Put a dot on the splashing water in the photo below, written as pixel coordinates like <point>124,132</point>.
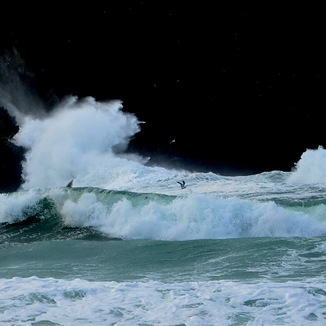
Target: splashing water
<point>78,139</point>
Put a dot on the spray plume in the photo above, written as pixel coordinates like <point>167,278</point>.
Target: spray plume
<point>75,139</point>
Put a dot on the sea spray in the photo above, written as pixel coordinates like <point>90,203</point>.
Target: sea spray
<point>16,93</point>
<point>79,138</point>
<point>311,167</point>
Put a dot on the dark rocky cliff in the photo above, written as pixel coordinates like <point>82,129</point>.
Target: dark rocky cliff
<point>11,156</point>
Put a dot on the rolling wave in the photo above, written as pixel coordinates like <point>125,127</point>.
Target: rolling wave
<point>56,212</point>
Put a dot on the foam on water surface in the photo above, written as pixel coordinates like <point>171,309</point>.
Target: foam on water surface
<point>35,301</point>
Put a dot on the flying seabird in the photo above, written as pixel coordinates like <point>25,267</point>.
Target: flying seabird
<point>182,184</point>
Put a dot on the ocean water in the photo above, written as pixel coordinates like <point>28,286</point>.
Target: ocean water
<point>127,246</point>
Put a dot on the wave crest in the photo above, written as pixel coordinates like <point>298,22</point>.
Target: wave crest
<point>128,215</point>
<point>311,167</point>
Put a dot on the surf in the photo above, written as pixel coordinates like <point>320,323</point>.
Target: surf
<point>130,215</point>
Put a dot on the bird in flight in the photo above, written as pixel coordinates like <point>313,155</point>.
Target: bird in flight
<point>182,184</point>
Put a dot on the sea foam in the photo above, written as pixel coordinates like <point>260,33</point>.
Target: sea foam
<point>311,167</point>
<point>54,301</point>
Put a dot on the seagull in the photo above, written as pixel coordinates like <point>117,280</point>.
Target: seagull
<point>182,184</point>
<point>172,141</point>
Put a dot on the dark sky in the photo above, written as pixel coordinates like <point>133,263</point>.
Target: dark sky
<point>240,87</point>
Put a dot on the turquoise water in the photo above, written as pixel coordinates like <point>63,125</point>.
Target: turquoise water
<point>224,251</point>
<point>133,248</point>
<point>244,260</point>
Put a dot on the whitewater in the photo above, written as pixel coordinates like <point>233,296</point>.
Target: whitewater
<point>127,246</point>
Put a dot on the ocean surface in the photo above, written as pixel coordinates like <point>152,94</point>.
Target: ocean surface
<point>127,246</point>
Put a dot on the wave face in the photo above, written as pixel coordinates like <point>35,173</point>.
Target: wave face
<point>128,215</point>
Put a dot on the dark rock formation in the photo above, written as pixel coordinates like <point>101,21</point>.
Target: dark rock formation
<point>11,156</point>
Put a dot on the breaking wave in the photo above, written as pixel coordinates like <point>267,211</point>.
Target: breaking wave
<point>311,167</point>
<point>127,215</point>
<point>78,140</point>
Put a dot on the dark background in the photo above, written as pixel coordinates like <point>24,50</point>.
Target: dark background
<point>241,88</point>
